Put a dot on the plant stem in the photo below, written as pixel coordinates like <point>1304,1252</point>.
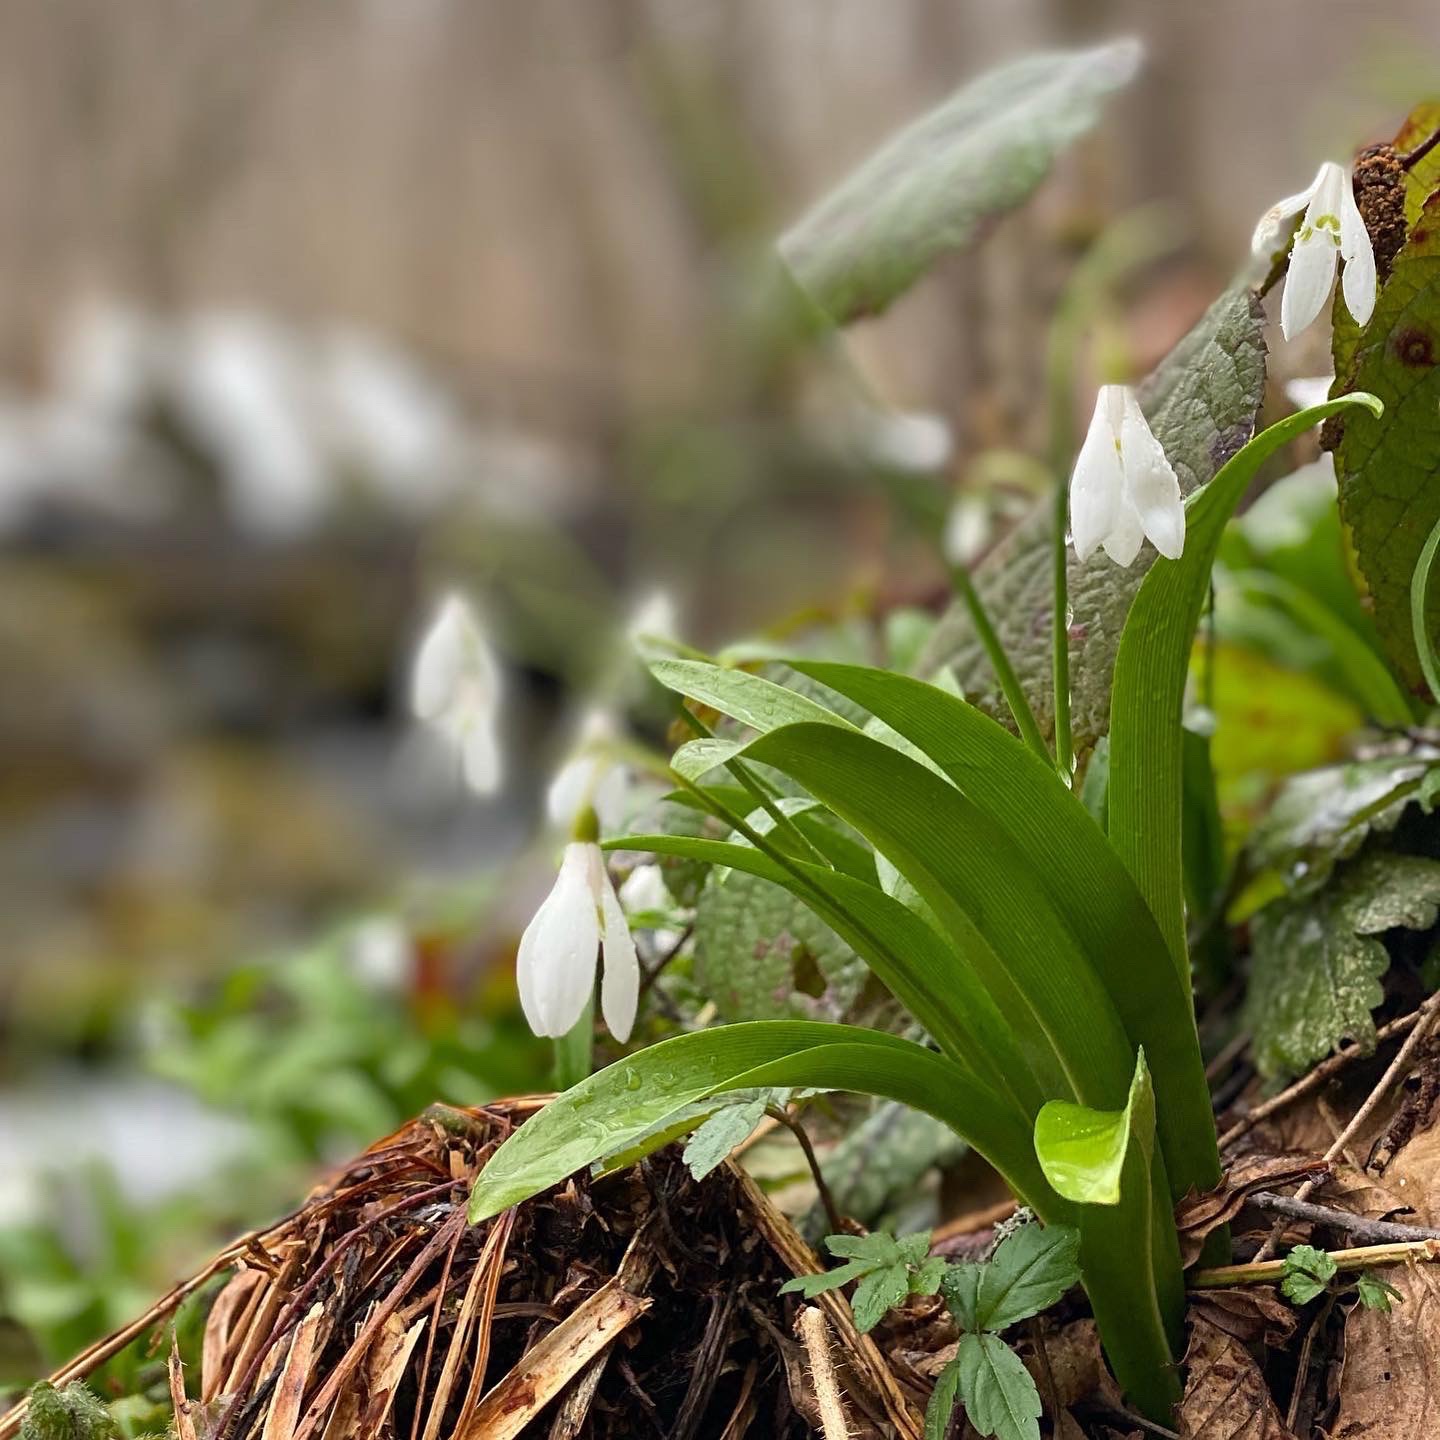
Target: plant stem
<point>574,1050</point>
<point>782,1115</point>
<point>1364,1257</point>
<point>1000,662</point>
<point>1060,670</point>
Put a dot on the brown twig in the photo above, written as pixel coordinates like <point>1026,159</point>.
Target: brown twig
<point>1365,1257</point>
<point>1412,158</point>
<point>1227,1055</point>
<point>648,979</point>
<point>792,1123</point>
<point>1425,1021</point>
<point>1317,1077</point>
<point>1376,1232</point>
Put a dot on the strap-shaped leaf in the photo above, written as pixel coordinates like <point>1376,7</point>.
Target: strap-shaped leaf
<point>1084,879</point>
<point>751,699</point>
<point>1146,762</point>
<point>624,1101</point>
<point>937,985</point>
<point>975,879</point>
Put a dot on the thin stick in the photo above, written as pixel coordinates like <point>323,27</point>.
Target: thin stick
<point>816,1335</point>
<point>1378,1232</point>
<point>648,979</point>
<point>1365,1257</point>
<point>1227,1056</point>
<point>1315,1079</point>
<point>827,1200</point>
<point>1412,158</point>
<point>1393,1072</point>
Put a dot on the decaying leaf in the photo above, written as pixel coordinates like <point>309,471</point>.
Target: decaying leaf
<point>1226,1397</point>
<point>1250,1314</point>
<point>1197,1216</point>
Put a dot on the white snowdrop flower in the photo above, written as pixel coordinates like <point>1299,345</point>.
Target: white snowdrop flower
<point>556,965</point>
<point>456,689</point>
<point>1308,390</point>
<point>913,441</point>
<point>380,954</point>
<point>967,529</point>
<point>1123,489</point>
<point>590,777</point>
<point>655,615</point>
<point>643,892</point>
<point>1332,230</point>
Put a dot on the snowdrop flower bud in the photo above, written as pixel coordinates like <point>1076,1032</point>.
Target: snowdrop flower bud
<point>456,690</point>
<point>967,529</point>
<point>1123,489</point>
<point>655,615</point>
<point>556,966</point>
<point>590,779</point>
<point>1332,230</point>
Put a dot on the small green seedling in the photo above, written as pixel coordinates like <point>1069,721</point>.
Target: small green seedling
<point>887,1268</point>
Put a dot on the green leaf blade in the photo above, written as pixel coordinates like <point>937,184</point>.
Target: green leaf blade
<point>1028,1273</point>
<point>999,1396</point>
<point>1083,1151</point>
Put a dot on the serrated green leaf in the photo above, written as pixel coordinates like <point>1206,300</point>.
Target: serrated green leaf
<point>999,1396</point>
<point>927,190</point>
<point>761,954</point>
<point>812,1285</point>
<point>961,1289</point>
<point>914,1248</point>
<point>927,1277</point>
<point>1386,466</point>
<point>877,1248</point>
<point>1316,964</point>
<point>877,1292</point>
<point>1375,1293</point>
<point>720,1134</point>
<point>942,1402</point>
<point>1201,402</point>
<point>1307,1271</point>
<point>1083,1151</point>
<point>1029,1271</point>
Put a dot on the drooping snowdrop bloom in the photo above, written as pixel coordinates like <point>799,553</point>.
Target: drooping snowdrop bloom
<point>456,689</point>
<point>1123,490</point>
<point>556,967</point>
<point>590,777</point>
<point>656,616</point>
<point>1332,230</point>
<point>968,529</point>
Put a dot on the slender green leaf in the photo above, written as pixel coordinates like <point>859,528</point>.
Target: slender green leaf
<point>728,1127</point>
<point>927,191</point>
<point>697,758</point>
<point>1419,621</point>
<point>612,1108</point>
<point>999,1396</point>
<point>938,986</point>
<point>1082,1151</point>
<point>1084,880</point>
<point>751,699</point>
<point>1146,761</point>
<point>982,888</point>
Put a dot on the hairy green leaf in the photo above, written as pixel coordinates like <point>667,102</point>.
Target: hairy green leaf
<point>728,1127</point>
<point>1201,402</point>
<point>1387,465</point>
<point>1307,1271</point>
<point>999,1396</point>
<point>927,190</point>
<point>1029,1271</point>
<point>1316,962</point>
<point>762,954</point>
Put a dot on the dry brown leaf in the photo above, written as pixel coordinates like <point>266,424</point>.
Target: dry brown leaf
<point>1359,1193</point>
<point>290,1388</point>
<point>1226,1397</point>
<point>385,1368</point>
<point>1249,1315</point>
<point>1197,1216</point>
<point>220,1327</point>
<point>184,1421</point>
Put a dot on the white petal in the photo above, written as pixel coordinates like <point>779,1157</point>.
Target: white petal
<point>1312,272</point>
<point>655,616</point>
<point>1308,390</point>
<point>620,979</point>
<point>1267,232</point>
<point>555,968</point>
<point>438,660</point>
<point>1358,281</point>
<point>484,769</point>
<point>1097,484</point>
<point>1123,542</point>
<point>1151,486</point>
<point>645,889</point>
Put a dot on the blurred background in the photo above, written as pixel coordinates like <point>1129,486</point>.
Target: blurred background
<point>312,311</point>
